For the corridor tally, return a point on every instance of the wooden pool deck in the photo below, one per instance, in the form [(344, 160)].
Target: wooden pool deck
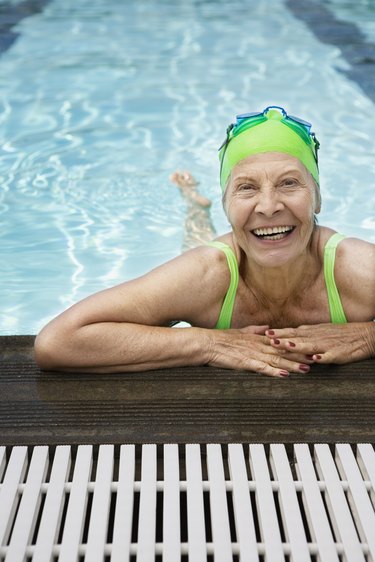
[(332, 404)]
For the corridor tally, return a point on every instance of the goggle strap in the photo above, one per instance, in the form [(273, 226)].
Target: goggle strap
[(281, 109), (296, 120)]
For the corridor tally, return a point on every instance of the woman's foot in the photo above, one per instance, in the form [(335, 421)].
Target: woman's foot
[(187, 184)]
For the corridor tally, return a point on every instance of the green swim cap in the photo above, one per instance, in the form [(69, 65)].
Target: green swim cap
[(269, 131)]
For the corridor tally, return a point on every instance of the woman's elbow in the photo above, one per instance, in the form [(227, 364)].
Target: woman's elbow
[(49, 351)]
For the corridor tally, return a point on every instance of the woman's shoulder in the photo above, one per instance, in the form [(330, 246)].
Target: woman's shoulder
[(356, 255), (348, 249), (202, 275), (227, 240), (356, 263), (200, 267), (211, 259), (354, 271)]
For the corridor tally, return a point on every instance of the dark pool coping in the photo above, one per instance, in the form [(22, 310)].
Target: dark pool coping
[(201, 404), (352, 42), (12, 14)]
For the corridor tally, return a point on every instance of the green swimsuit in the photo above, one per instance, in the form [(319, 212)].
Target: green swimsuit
[(335, 306)]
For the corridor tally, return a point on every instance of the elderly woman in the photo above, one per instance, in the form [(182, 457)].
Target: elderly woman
[(275, 295)]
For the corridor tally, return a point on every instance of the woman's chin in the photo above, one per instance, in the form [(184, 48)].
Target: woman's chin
[(274, 253)]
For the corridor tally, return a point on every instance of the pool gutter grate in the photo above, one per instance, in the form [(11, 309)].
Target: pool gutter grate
[(193, 503)]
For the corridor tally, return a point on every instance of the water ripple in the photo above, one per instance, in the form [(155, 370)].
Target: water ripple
[(101, 101)]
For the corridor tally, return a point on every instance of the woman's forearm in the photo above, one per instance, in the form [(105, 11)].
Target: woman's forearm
[(120, 347), (123, 347)]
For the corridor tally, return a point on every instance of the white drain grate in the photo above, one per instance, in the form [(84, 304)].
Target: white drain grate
[(190, 503)]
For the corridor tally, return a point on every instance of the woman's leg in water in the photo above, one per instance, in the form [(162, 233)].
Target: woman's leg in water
[(198, 224)]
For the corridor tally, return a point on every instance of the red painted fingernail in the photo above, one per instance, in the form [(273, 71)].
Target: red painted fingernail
[(317, 357), (276, 341), (270, 332), (291, 344), (304, 368), (284, 373)]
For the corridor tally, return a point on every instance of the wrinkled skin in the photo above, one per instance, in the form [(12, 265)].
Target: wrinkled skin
[(325, 343), (281, 319)]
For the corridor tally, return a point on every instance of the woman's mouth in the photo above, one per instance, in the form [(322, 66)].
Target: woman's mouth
[(273, 232)]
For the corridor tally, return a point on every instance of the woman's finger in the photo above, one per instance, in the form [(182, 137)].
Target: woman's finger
[(282, 333), (298, 346)]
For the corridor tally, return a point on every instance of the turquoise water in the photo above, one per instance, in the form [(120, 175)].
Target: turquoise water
[(101, 101)]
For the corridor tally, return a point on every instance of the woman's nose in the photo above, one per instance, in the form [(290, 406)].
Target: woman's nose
[(268, 203)]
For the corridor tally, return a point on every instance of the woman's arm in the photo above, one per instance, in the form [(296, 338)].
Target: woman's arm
[(125, 328), (107, 347), (341, 343), (125, 347)]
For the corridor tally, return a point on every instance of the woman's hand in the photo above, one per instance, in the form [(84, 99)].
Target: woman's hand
[(327, 343), (250, 349)]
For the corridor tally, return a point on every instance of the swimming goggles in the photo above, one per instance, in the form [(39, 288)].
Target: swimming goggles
[(246, 121)]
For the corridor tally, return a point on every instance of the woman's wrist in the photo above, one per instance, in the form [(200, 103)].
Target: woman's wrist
[(370, 339), (201, 345)]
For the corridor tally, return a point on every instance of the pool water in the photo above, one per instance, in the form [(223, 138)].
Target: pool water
[(101, 101)]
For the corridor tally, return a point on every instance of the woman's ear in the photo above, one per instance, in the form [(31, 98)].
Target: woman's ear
[(318, 200)]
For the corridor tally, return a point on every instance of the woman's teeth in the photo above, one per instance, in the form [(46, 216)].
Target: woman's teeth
[(273, 233)]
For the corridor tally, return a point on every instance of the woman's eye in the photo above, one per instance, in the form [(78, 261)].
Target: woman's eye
[(247, 187), (289, 182)]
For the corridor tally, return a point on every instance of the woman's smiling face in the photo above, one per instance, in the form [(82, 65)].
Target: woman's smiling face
[(270, 202)]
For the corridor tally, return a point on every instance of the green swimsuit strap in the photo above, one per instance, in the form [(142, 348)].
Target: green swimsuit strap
[(334, 301), (225, 317)]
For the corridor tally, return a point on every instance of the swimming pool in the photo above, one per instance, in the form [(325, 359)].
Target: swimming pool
[(101, 101)]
